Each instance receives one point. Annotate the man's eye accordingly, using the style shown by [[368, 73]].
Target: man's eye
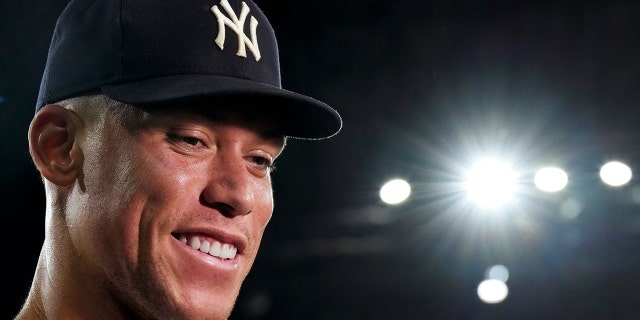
[[263, 162], [191, 140], [188, 140]]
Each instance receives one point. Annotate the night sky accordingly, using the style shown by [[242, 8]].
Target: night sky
[[423, 87]]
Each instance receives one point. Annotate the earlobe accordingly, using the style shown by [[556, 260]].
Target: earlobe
[[53, 144]]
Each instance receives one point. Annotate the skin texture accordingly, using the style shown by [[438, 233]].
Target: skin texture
[[122, 185]]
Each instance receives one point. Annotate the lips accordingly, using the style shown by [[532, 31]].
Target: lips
[[214, 248]]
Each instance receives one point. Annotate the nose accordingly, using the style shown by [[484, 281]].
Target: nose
[[229, 186]]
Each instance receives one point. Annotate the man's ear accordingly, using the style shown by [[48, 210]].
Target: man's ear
[[53, 144]]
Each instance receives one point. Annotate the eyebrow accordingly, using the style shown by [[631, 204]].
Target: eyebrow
[[265, 123]]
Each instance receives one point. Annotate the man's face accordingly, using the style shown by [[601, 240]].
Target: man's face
[[174, 210]]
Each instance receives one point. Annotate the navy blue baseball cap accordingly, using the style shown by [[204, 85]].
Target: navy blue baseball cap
[[150, 52]]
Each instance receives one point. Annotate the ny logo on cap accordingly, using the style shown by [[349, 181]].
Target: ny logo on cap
[[237, 25]]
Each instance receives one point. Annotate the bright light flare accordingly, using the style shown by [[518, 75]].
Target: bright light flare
[[395, 191], [492, 291], [491, 183], [615, 173], [551, 179]]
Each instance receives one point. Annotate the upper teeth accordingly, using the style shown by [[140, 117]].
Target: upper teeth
[[216, 249]]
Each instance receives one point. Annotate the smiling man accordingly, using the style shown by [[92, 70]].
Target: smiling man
[[156, 129]]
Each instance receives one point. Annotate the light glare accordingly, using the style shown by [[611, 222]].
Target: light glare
[[491, 183], [551, 179], [615, 173], [492, 291], [395, 191]]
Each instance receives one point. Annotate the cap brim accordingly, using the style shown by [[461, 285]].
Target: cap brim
[[299, 116]]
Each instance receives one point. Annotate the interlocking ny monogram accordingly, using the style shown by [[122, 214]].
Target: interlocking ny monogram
[[237, 25]]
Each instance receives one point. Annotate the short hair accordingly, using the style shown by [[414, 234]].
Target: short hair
[[95, 108]]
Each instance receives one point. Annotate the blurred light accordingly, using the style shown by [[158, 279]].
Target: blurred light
[[570, 209], [635, 195], [492, 291], [498, 272], [615, 173], [395, 191], [258, 304], [491, 183], [551, 179]]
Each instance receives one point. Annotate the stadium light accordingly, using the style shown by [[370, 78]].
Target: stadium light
[[615, 173], [551, 179], [395, 191], [490, 183]]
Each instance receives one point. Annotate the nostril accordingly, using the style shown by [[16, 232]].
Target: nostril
[[225, 209]]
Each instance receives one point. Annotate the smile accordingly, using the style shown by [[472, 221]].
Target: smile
[[213, 248]]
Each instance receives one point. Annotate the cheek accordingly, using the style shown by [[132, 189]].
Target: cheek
[[263, 194], [100, 219], [116, 180]]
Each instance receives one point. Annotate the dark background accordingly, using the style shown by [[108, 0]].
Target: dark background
[[423, 87]]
